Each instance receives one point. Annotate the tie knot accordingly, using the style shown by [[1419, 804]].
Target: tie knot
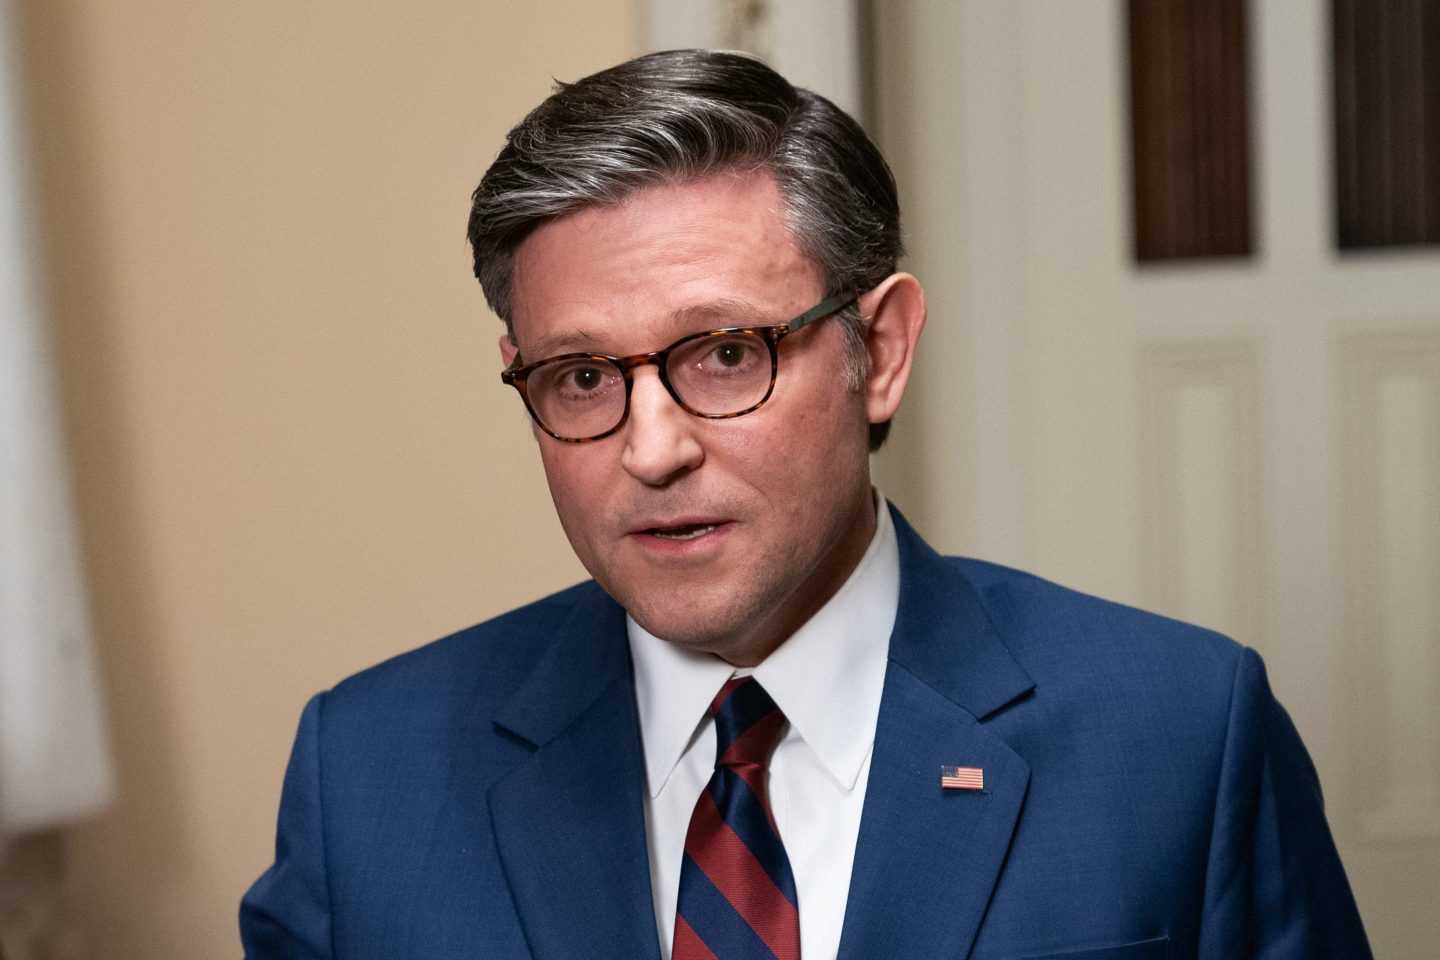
[[747, 723]]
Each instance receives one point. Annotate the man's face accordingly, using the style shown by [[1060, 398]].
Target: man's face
[[723, 536]]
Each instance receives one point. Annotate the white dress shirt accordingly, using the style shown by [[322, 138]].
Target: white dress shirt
[[827, 679]]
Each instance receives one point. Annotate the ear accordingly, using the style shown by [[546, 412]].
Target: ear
[[895, 315], [508, 349]]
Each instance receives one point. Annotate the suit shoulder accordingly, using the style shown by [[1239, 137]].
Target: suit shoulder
[[1042, 620], [1113, 681], [489, 656]]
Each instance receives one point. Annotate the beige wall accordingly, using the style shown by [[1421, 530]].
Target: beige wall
[[292, 454]]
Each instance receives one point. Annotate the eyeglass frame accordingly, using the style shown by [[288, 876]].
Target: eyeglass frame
[[516, 374]]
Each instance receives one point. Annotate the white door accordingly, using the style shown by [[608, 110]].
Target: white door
[[1253, 445]]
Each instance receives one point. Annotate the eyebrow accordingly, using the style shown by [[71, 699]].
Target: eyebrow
[[723, 312], [567, 341]]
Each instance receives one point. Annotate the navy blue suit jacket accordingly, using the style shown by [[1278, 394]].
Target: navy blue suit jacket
[[1145, 795]]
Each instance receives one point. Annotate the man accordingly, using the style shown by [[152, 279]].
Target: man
[[776, 724]]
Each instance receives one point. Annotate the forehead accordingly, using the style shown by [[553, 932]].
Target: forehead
[[667, 260]]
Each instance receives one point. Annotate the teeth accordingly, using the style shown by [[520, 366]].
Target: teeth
[[686, 533]]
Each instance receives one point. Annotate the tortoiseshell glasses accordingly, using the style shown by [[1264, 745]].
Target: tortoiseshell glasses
[[716, 374]]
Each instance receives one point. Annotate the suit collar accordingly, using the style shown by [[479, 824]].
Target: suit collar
[[927, 858], [587, 655], [944, 635], [569, 823]]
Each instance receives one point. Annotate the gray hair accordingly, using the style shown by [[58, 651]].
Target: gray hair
[[678, 116]]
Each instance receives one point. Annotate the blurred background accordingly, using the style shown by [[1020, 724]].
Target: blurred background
[[1184, 351]]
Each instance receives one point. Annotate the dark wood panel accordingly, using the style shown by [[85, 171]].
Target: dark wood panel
[[1387, 122], [1189, 130]]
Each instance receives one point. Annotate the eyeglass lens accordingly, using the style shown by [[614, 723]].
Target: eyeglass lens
[[711, 374]]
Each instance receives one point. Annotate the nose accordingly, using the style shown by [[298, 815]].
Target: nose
[[661, 442]]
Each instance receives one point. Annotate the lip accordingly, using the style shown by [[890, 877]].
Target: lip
[[644, 527], [643, 535]]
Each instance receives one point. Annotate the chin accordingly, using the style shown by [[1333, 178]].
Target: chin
[[720, 614], [685, 630], [689, 626]]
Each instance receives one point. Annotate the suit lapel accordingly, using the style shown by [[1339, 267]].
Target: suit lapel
[[927, 859], [569, 823]]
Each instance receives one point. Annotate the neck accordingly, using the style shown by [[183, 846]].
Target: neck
[[837, 566]]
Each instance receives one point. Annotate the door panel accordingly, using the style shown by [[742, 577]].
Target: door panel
[[1250, 444]]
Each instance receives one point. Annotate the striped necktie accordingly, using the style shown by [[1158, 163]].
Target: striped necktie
[[737, 895]]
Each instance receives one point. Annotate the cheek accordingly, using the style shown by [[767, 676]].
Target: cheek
[[567, 477], [827, 421]]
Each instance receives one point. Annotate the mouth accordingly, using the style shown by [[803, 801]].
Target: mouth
[[679, 530], [689, 531]]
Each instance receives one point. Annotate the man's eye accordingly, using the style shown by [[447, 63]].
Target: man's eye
[[732, 354], [582, 380]]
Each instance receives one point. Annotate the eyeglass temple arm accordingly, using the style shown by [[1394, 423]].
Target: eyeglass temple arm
[[821, 310]]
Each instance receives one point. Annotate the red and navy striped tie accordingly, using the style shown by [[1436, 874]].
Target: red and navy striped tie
[[737, 895]]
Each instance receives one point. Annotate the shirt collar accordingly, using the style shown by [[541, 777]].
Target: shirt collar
[[827, 677]]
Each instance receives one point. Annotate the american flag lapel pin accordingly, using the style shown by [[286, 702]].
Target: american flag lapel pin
[[962, 778]]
